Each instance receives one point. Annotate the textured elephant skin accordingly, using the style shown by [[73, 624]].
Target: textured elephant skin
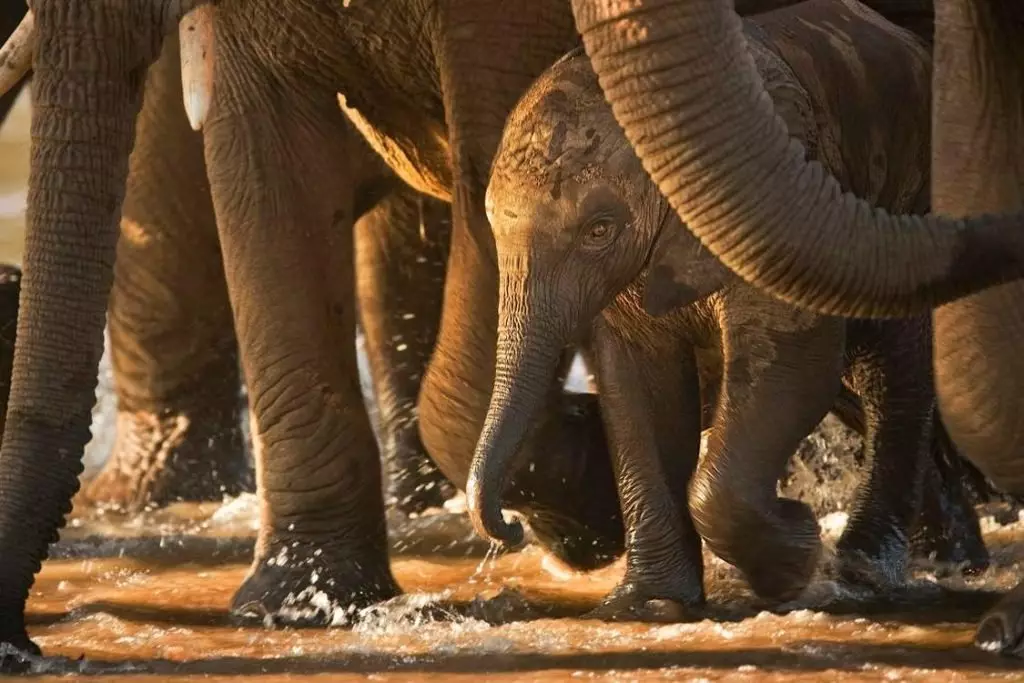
[[977, 145], [575, 220], [443, 78]]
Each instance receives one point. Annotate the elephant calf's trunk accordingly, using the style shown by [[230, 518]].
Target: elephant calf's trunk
[[527, 361]]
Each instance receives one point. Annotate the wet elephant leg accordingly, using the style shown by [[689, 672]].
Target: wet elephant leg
[[401, 250], [782, 371], [650, 399], [947, 528], [285, 212], [888, 367], [172, 339]]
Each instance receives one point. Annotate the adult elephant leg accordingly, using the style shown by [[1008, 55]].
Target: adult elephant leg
[[782, 373], [401, 250], [279, 168], [889, 368], [172, 338], [978, 146]]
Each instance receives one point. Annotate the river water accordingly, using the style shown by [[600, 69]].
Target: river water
[[144, 598]]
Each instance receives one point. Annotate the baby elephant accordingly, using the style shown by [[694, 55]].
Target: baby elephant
[[576, 222]]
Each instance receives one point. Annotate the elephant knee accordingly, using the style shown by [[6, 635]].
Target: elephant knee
[[773, 541], [722, 514]]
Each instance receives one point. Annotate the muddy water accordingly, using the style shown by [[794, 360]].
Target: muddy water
[[145, 598]]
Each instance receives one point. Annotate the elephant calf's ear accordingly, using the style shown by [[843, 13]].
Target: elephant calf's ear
[[681, 272]]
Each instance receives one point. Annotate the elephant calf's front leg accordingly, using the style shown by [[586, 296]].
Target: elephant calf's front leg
[[651, 406], [401, 252], [782, 373], [279, 171]]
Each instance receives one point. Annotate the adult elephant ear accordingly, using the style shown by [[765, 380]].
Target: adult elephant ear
[[682, 84]]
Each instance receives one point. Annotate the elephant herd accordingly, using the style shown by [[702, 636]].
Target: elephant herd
[[726, 217]]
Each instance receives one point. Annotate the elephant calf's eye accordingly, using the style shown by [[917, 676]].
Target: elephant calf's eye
[[599, 233]]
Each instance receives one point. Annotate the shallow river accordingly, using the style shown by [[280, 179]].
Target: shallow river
[[145, 598]]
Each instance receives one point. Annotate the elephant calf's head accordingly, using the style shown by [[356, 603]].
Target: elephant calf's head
[[573, 212], [575, 221]]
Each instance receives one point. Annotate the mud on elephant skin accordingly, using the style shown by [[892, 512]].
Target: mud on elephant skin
[[174, 349], [439, 93], [575, 221], [977, 144]]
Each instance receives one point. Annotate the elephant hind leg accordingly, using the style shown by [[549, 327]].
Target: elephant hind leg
[[947, 528], [888, 367], [173, 349], [401, 252], [781, 375]]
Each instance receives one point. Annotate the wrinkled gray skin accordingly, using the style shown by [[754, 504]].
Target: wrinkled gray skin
[[401, 249], [576, 219], [838, 256], [428, 78], [173, 343]]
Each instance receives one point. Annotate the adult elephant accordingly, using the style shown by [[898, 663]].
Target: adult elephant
[[727, 165], [174, 355], [178, 433], [434, 82]]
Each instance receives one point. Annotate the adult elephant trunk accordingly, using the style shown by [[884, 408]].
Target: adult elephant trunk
[[528, 352], [89, 67], [684, 88]]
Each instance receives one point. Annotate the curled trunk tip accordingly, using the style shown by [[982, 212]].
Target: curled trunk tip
[[486, 515]]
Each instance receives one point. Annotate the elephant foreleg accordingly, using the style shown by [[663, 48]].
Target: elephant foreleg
[[888, 367], [280, 172], [782, 371], [172, 339], [401, 250], [650, 398], [977, 153]]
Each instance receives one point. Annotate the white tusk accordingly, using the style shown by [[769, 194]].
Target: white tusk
[[197, 52], [16, 54]]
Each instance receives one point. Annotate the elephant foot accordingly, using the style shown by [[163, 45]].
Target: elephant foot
[[415, 483], [960, 547], [648, 602], [877, 561], [1001, 630], [299, 583], [16, 648], [777, 551], [947, 529], [161, 460]]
